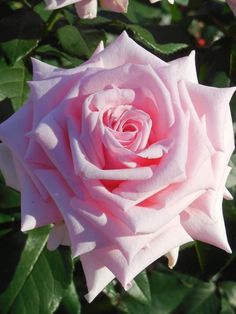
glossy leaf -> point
(70, 302)
(228, 289)
(40, 278)
(201, 299)
(13, 83)
(73, 42)
(140, 289)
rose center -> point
(129, 126)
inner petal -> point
(130, 126)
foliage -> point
(34, 280)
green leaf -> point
(70, 303)
(52, 52)
(93, 37)
(5, 218)
(33, 248)
(40, 10)
(73, 42)
(228, 290)
(226, 308)
(19, 34)
(16, 49)
(168, 291)
(40, 278)
(146, 38)
(8, 197)
(13, 83)
(142, 12)
(140, 289)
(201, 299)
(215, 71)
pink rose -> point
(87, 9)
(232, 4)
(126, 155)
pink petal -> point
(88, 170)
(35, 212)
(97, 275)
(116, 5)
(232, 4)
(172, 256)
(128, 52)
(56, 4)
(86, 9)
(185, 68)
(42, 70)
(168, 171)
(100, 48)
(214, 104)
(83, 236)
(227, 195)
(114, 260)
(164, 206)
(7, 167)
(49, 134)
(58, 235)
(204, 221)
(114, 229)
(20, 123)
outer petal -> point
(56, 4)
(184, 68)
(213, 103)
(86, 9)
(116, 5)
(100, 48)
(204, 221)
(35, 212)
(20, 123)
(97, 275)
(83, 236)
(7, 167)
(172, 257)
(232, 4)
(173, 236)
(58, 235)
(124, 50)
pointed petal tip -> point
(100, 48)
(128, 286)
(227, 195)
(227, 248)
(28, 223)
(172, 257)
(89, 297)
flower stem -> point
(199, 256)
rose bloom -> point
(126, 155)
(87, 9)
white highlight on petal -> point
(172, 256)
(28, 222)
